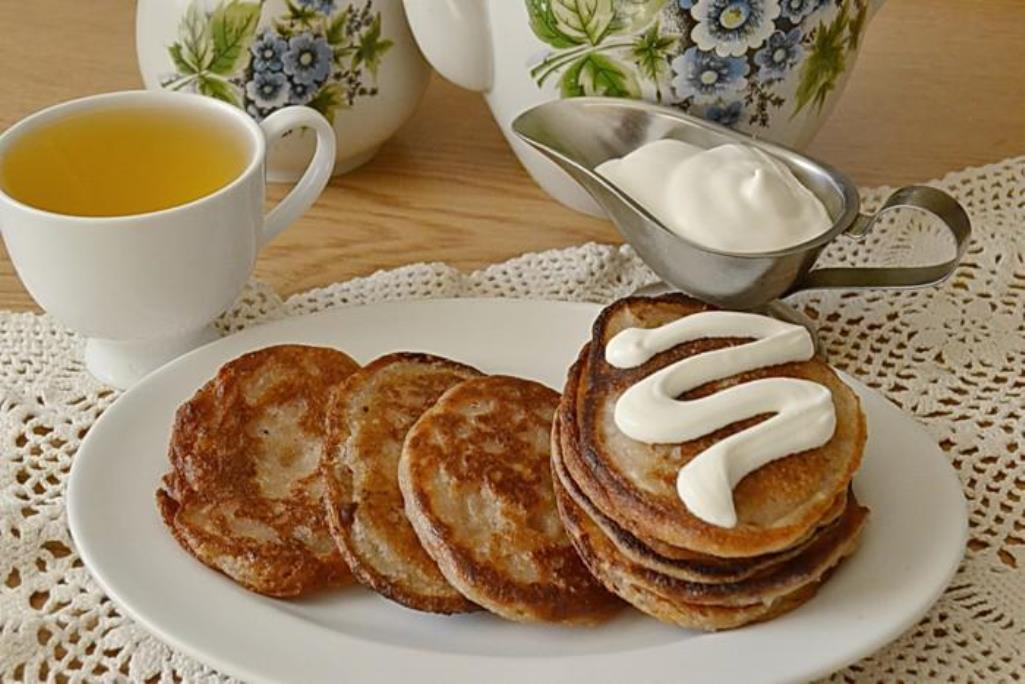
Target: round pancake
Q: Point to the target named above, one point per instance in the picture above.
(653, 554)
(477, 487)
(631, 583)
(617, 576)
(367, 424)
(694, 567)
(635, 483)
(826, 548)
(244, 493)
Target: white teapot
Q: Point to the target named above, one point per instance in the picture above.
(771, 68)
(354, 61)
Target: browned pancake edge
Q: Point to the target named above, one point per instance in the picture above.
(777, 505)
(368, 419)
(661, 597)
(477, 486)
(243, 494)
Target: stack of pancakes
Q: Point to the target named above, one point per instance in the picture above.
(425, 479)
(797, 516)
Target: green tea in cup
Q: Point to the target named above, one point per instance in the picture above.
(122, 161)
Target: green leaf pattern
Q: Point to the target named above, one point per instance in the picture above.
(212, 86)
(328, 100)
(596, 74)
(213, 52)
(595, 52)
(232, 27)
(371, 47)
(584, 21)
(627, 48)
(544, 25)
(194, 50)
(300, 14)
(335, 32)
(827, 61)
(649, 52)
(209, 48)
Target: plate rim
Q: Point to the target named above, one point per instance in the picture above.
(230, 666)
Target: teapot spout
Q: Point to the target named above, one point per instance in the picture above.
(455, 38)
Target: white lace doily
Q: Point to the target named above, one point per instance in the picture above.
(954, 357)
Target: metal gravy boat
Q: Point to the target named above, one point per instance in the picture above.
(578, 134)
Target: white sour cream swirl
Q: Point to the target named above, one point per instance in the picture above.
(803, 413)
(733, 198)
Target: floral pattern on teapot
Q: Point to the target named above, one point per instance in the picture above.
(736, 62)
(316, 54)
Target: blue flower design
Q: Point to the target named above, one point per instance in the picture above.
(732, 27)
(686, 4)
(268, 89)
(797, 10)
(707, 75)
(781, 53)
(725, 114)
(302, 93)
(308, 59)
(324, 6)
(267, 50)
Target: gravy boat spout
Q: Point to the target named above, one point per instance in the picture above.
(578, 134)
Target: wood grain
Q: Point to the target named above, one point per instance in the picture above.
(939, 86)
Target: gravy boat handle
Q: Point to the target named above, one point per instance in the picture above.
(930, 200)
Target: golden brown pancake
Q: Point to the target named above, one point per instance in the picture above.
(477, 485)
(621, 577)
(634, 483)
(367, 424)
(244, 492)
(828, 546)
(670, 560)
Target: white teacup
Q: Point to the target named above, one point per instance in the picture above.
(144, 289)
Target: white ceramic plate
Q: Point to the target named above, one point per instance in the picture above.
(910, 550)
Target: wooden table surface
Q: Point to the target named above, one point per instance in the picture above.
(939, 86)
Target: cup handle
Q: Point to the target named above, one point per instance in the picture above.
(933, 201)
(317, 174)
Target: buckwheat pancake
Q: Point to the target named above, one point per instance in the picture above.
(626, 580)
(244, 492)
(674, 561)
(367, 423)
(809, 565)
(635, 483)
(477, 486)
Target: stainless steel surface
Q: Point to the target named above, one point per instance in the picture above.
(578, 134)
(930, 200)
(785, 312)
